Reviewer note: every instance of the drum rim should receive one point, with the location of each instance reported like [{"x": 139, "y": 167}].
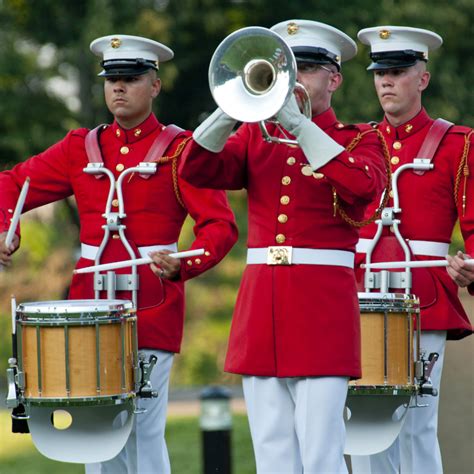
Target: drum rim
[
  {"x": 72, "y": 307},
  {"x": 389, "y": 296}
]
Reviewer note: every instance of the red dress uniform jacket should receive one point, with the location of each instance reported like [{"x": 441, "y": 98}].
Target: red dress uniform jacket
[
  {"x": 154, "y": 217},
  {"x": 430, "y": 207},
  {"x": 297, "y": 320}
]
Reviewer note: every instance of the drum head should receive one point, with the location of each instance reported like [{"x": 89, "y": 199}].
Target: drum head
[{"x": 74, "y": 307}]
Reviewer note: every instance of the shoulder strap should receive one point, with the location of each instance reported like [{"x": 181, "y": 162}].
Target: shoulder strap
[
  {"x": 161, "y": 143},
  {"x": 432, "y": 140},
  {"x": 93, "y": 152},
  {"x": 156, "y": 150}
]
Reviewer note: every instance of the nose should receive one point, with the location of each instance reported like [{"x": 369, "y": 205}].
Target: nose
[
  {"x": 119, "y": 86},
  {"x": 387, "y": 80}
]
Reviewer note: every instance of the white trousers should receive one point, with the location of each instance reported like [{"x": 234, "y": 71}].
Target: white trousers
[
  {"x": 145, "y": 451},
  {"x": 416, "y": 450},
  {"x": 297, "y": 424}
]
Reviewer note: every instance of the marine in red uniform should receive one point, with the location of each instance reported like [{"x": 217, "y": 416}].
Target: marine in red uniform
[
  {"x": 295, "y": 330},
  {"x": 155, "y": 211},
  {"x": 430, "y": 203}
]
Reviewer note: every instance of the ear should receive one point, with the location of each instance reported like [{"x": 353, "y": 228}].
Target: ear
[
  {"x": 335, "y": 81},
  {"x": 156, "y": 88},
  {"x": 424, "y": 81}
]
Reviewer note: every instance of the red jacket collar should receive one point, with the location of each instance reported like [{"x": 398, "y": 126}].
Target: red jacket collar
[
  {"x": 418, "y": 122},
  {"x": 135, "y": 134},
  {"x": 325, "y": 119}
]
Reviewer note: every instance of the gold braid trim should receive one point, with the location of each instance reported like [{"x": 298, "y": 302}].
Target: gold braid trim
[
  {"x": 174, "y": 168},
  {"x": 386, "y": 196},
  {"x": 463, "y": 170}
]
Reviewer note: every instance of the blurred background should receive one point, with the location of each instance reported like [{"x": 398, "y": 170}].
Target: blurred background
[{"x": 49, "y": 85}]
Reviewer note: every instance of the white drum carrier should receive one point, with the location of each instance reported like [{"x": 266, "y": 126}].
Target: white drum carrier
[{"x": 394, "y": 374}]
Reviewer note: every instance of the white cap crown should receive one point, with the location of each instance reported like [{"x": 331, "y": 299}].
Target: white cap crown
[
  {"x": 314, "y": 39},
  {"x": 125, "y": 54}
]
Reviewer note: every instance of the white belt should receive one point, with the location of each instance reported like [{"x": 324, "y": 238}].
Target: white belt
[
  {"x": 281, "y": 255},
  {"x": 418, "y": 247},
  {"x": 90, "y": 251}
]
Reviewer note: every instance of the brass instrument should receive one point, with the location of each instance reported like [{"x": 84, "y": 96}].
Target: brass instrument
[{"x": 252, "y": 75}]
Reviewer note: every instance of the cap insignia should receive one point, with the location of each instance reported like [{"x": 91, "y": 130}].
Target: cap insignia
[
  {"x": 292, "y": 28},
  {"x": 384, "y": 34},
  {"x": 115, "y": 43}
]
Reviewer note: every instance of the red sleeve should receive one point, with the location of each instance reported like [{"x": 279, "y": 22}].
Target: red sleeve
[
  {"x": 360, "y": 174},
  {"x": 49, "y": 179},
  {"x": 215, "y": 228},
  {"x": 224, "y": 170},
  {"x": 464, "y": 184}
]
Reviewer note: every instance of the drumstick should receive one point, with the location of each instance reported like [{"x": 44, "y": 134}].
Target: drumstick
[
  {"x": 13, "y": 308},
  {"x": 415, "y": 264},
  {"x": 136, "y": 261},
  {"x": 17, "y": 213}
]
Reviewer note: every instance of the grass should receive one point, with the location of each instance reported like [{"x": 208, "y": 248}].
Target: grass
[{"x": 19, "y": 456}]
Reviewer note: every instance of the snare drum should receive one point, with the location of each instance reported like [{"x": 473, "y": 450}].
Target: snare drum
[
  {"x": 388, "y": 358},
  {"x": 76, "y": 352}
]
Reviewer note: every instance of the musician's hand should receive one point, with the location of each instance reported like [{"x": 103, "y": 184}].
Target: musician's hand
[
  {"x": 164, "y": 266},
  {"x": 460, "y": 271},
  {"x": 6, "y": 253},
  {"x": 290, "y": 116}
]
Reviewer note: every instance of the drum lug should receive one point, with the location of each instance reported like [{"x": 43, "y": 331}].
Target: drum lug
[
  {"x": 144, "y": 388},
  {"x": 425, "y": 367},
  {"x": 12, "y": 396}
]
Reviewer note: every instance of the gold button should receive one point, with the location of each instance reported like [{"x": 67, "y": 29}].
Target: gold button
[
  {"x": 366, "y": 168},
  {"x": 318, "y": 175},
  {"x": 115, "y": 236},
  {"x": 120, "y": 167},
  {"x": 387, "y": 129},
  {"x": 282, "y": 218},
  {"x": 291, "y": 160},
  {"x": 115, "y": 202},
  {"x": 285, "y": 200},
  {"x": 137, "y": 132},
  {"x": 198, "y": 261},
  {"x": 286, "y": 180},
  {"x": 207, "y": 253},
  {"x": 391, "y": 229},
  {"x": 280, "y": 238},
  {"x": 394, "y": 160},
  {"x": 340, "y": 125},
  {"x": 189, "y": 262},
  {"x": 117, "y": 132},
  {"x": 397, "y": 145},
  {"x": 10, "y": 211},
  {"x": 352, "y": 160},
  {"x": 391, "y": 193},
  {"x": 408, "y": 127},
  {"x": 124, "y": 150},
  {"x": 307, "y": 170}
]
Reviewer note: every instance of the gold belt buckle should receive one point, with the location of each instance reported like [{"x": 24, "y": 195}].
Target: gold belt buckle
[{"x": 278, "y": 255}]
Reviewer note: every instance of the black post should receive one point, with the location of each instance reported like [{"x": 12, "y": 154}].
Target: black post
[{"x": 216, "y": 426}]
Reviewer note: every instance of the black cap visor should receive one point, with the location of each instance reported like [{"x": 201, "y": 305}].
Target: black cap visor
[
  {"x": 312, "y": 55},
  {"x": 126, "y": 67},
  {"x": 394, "y": 59}
]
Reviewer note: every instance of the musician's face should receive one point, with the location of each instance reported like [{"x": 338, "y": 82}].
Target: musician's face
[
  {"x": 130, "y": 98},
  {"x": 399, "y": 91},
  {"x": 320, "y": 80}
]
